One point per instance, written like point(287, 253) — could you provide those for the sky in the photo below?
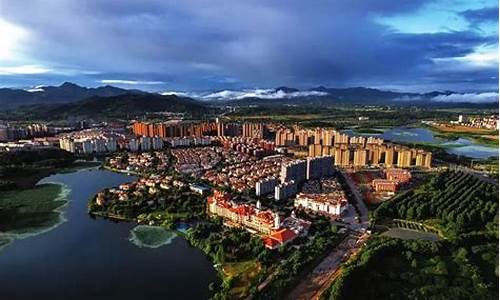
point(158, 45)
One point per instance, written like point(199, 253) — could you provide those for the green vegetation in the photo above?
point(242, 275)
point(26, 208)
point(415, 226)
point(166, 208)
point(342, 115)
point(399, 269)
point(409, 234)
point(150, 236)
point(460, 201)
point(24, 168)
point(244, 263)
point(120, 106)
point(480, 136)
point(231, 249)
point(463, 266)
point(30, 209)
point(298, 262)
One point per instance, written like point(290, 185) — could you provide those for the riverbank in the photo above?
point(108, 255)
point(30, 209)
point(106, 167)
point(25, 177)
point(29, 212)
point(479, 136)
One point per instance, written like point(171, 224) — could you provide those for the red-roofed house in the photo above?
point(278, 238)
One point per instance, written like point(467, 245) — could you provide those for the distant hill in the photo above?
point(115, 106)
point(355, 95)
point(65, 93)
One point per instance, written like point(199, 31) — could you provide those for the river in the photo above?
point(86, 258)
point(461, 146)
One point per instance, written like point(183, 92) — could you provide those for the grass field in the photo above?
point(463, 129)
point(24, 210)
point(479, 135)
point(242, 274)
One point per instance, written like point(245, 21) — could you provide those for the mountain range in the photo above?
point(83, 97)
point(328, 96)
point(65, 93)
point(120, 106)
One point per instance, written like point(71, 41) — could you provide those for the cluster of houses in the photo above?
point(149, 190)
point(139, 162)
point(245, 175)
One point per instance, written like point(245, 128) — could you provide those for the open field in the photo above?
point(241, 274)
point(463, 129)
point(479, 135)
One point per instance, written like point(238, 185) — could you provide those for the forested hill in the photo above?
point(127, 105)
point(64, 93)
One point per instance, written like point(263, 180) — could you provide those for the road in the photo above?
point(320, 279)
point(360, 204)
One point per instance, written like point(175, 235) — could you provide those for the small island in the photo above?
point(151, 236)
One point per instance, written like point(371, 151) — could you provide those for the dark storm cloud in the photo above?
point(482, 15)
point(219, 44)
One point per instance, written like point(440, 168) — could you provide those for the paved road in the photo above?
point(320, 279)
point(323, 275)
point(360, 204)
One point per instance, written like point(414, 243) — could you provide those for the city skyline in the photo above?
point(411, 45)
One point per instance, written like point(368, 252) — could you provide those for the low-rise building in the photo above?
point(329, 204)
point(385, 185)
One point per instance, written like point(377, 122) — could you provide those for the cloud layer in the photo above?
point(468, 97)
point(224, 44)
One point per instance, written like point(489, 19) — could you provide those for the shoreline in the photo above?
point(63, 195)
point(474, 138)
point(136, 240)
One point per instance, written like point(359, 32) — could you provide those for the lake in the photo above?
point(461, 146)
point(86, 258)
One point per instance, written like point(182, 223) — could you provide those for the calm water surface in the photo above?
point(87, 258)
point(460, 146)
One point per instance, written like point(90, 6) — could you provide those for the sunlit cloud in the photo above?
point(468, 97)
point(482, 57)
point(10, 38)
point(24, 70)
